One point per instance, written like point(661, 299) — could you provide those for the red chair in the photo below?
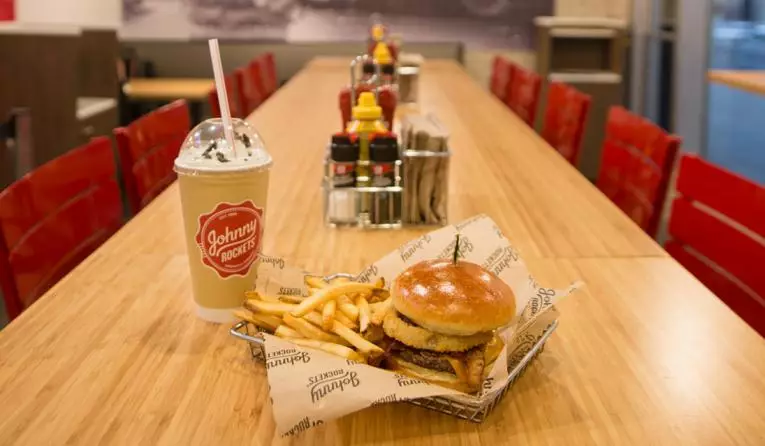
point(501, 74)
point(258, 77)
point(148, 148)
point(523, 94)
point(234, 107)
point(636, 165)
point(565, 120)
point(268, 69)
point(247, 84)
point(717, 228)
point(53, 218)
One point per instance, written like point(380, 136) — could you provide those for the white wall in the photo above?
point(89, 13)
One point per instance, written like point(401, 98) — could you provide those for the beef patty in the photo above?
point(427, 358)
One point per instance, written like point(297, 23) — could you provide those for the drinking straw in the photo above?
point(220, 85)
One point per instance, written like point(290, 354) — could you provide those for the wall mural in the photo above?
point(478, 23)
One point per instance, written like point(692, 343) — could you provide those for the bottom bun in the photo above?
point(443, 379)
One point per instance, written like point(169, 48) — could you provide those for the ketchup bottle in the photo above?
point(386, 86)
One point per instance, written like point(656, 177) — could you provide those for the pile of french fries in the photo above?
point(340, 317)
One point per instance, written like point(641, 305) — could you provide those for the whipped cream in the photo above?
point(206, 149)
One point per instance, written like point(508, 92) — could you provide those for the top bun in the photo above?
point(459, 299)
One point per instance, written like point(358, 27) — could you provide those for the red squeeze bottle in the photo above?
point(387, 90)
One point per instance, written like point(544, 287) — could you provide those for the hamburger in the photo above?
point(441, 325)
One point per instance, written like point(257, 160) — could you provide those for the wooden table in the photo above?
point(751, 81)
point(644, 354)
point(194, 90)
point(168, 89)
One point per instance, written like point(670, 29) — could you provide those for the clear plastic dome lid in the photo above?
point(206, 148)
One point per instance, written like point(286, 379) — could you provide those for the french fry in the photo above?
point(356, 340)
point(315, 282)
point(331, 292)
point(261, 320)
point(380, 283)
point(312, 290)
point(339, 280)
point(291, 299)
point(346, 307)
point(315, 318)
point(328, 314)
point(286, 332)
point(258, 306)
point(335, 349)
point(364, 313)
point(311, 331)
point(345, 320)
point(267, 298)
point(379, 310)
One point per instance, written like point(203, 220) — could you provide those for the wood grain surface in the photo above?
point(751, 81)
point(167, 89)
point(644, 354)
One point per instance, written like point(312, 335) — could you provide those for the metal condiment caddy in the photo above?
point(367, 175)
point(364, 206)
point(387, 207)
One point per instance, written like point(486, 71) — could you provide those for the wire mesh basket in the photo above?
point(466, 407)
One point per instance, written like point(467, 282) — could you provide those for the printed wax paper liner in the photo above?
point(309, 387)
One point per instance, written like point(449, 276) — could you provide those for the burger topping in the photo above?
point(421, 338)
point(476, 362)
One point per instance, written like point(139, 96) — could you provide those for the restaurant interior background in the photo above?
point(167, 38)
point(313, 221)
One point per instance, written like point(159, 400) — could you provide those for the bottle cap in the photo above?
point(378, 32)
point(383, 148)
point(367, 108)
point(343, 149)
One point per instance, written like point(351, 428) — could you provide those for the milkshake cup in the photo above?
point(224, 192)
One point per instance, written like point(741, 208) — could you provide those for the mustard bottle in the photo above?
point(365, 125)
point(377, 34)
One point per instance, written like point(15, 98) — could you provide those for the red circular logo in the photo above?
point(229, 237)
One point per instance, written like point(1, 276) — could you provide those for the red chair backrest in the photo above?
point(501, 73)
point(565, 119)
point(258, 78)
point(234, 98)
point(636, 166)
point(268, 71)
point(717, 231)
point(54, 217)
point(248, 84)
point(148, 148)
point(523, 94)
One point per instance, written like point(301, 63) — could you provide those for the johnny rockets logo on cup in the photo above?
point(229, 237)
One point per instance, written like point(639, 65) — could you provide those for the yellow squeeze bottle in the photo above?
point(366, 123)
